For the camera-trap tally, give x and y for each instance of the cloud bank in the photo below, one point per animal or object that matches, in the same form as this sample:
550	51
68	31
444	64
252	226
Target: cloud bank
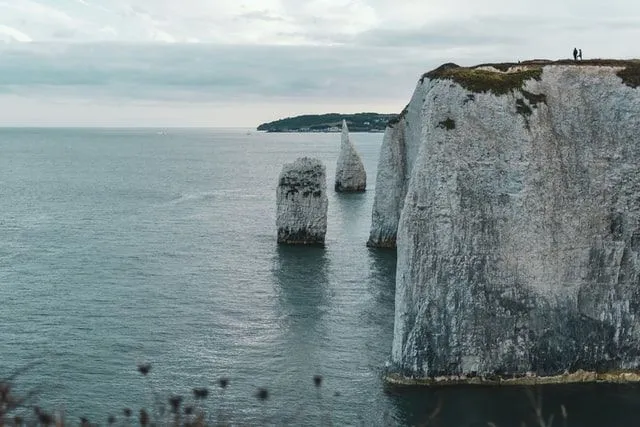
268	58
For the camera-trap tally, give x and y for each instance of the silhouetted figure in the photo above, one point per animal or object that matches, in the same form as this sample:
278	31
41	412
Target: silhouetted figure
580	54
575	54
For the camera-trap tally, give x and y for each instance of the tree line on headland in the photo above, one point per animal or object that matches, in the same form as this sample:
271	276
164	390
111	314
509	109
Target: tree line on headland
359	122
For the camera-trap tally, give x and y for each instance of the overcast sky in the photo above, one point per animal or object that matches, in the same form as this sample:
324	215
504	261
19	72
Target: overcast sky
239	63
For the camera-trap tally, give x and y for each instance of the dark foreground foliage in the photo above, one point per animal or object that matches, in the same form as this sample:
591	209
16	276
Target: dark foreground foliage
189	411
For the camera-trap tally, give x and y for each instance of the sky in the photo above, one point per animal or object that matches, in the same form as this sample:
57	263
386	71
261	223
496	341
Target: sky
238	63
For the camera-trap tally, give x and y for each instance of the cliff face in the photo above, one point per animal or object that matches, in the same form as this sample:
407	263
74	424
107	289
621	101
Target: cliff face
350	174
302	202
398	153
519	236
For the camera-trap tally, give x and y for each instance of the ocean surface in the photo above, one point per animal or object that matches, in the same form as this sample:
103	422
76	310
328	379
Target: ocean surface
127	246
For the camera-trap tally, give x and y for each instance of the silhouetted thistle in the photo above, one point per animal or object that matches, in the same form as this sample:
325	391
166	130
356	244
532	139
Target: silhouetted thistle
111	420
5	389
224	382
175	402
127	412
144	418
317	380
188	410
144	368
43	418
84	422
262	394
200	393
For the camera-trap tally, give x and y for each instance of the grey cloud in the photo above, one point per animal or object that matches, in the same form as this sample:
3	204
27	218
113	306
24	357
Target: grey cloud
261	15
211	73
427	37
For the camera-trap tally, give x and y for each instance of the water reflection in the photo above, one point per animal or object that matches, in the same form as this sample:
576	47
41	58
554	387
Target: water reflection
585	405
353	216
381	286
383	266
301	281
301	284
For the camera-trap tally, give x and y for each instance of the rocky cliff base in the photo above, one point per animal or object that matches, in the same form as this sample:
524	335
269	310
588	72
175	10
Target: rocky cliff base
526	379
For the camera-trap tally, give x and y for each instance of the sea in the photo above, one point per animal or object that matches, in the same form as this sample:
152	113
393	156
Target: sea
122	248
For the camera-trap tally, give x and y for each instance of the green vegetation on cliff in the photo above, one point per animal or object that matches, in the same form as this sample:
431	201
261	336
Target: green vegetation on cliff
332	122
512	75
482	80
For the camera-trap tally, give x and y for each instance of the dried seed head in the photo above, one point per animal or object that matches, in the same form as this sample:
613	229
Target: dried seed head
144	417
224	382
200	393
144	368
317	380
175	402
262	394
44	418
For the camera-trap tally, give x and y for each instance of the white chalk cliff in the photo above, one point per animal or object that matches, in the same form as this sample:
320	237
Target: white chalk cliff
350	173
515	190
302	202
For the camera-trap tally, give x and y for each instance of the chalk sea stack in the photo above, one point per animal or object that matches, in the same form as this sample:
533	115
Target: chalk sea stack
302	202
350	174
391	183
516	191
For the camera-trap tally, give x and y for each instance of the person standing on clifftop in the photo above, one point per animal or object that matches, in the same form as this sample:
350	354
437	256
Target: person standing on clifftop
580	54
575	54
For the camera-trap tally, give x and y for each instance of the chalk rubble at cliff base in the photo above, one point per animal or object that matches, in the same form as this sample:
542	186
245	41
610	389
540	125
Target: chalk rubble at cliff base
511	191
302	202
350	173
528	379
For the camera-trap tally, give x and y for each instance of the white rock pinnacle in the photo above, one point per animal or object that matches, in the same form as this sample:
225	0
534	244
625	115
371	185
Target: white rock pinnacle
350	173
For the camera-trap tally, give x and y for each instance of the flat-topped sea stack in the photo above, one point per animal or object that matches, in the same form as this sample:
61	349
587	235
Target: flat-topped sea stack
350	174
302	203
516	191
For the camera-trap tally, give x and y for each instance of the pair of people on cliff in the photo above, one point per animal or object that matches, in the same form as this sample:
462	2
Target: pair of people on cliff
577	54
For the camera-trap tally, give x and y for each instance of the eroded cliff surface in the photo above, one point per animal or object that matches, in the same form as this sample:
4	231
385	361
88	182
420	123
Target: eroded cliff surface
519	235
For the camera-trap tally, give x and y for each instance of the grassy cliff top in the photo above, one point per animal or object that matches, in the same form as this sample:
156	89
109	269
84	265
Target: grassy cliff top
512	75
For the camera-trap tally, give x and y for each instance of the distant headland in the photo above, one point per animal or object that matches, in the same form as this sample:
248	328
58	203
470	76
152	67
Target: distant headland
359	122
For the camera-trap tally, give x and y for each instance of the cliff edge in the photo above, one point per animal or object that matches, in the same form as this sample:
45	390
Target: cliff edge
516	191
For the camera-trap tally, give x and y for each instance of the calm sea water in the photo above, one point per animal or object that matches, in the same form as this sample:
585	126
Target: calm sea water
119	247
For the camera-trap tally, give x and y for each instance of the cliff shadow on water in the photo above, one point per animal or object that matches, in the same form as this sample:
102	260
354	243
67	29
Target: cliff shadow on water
382	279
574	405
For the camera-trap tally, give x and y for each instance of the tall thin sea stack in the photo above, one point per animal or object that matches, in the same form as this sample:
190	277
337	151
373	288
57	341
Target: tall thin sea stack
302	203
350	174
